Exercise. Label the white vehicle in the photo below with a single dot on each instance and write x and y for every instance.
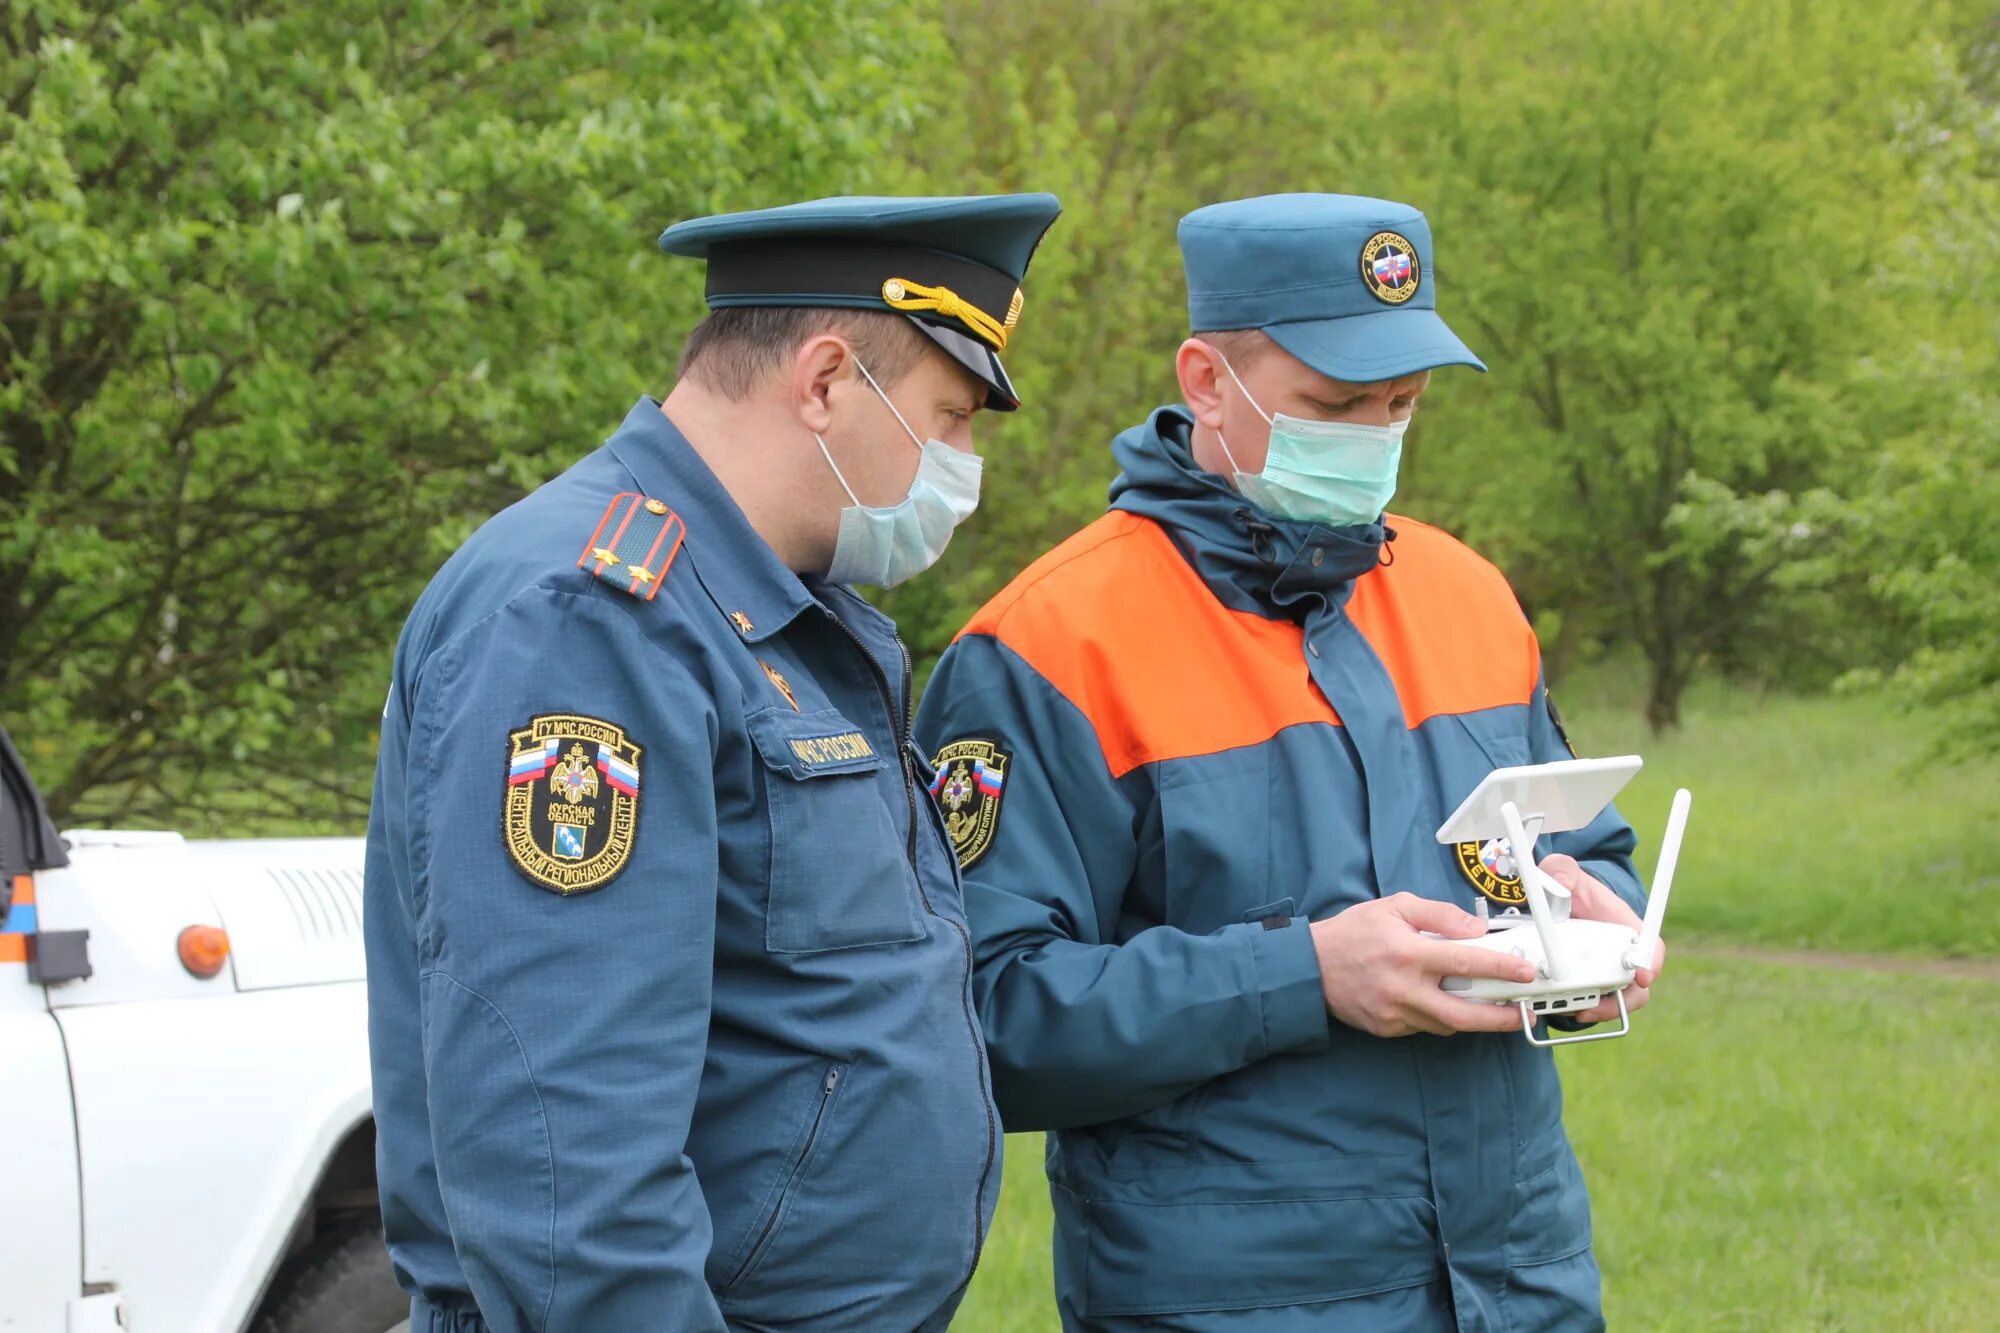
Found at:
(183, 1083)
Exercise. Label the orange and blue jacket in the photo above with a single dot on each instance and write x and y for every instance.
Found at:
(1167, 746)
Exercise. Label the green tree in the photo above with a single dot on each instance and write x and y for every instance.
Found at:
(292, 296)
(1925, 536)
(1134, 112)
(1660, 226)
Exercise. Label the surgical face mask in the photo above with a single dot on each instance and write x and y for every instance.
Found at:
(886, 544)
(1339, 473)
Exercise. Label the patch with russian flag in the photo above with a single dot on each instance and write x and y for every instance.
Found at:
(571, 810)
(969, 780)
(1390, 268)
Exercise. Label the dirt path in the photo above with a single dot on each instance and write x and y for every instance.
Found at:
(1977, 969)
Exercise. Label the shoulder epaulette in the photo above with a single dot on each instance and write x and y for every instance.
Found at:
(634, 545)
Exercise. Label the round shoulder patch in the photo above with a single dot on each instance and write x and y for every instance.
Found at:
(971, 779)
(1389, 268)
(1490, 866)
(572, 802)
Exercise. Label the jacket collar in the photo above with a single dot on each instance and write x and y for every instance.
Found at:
(737, 566)
(1252, 559)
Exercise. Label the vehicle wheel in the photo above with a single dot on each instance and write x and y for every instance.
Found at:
(341, 1283)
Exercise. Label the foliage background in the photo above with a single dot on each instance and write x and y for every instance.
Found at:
(293, 296)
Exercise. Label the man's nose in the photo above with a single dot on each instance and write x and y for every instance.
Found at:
(1374, 412)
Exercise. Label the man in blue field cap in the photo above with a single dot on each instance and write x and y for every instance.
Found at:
(668, 970)
(1192, 761)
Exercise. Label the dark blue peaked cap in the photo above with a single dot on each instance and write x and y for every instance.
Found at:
(953, 265)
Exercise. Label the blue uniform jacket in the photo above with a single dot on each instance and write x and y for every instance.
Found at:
(1167, 746)
(669, 981)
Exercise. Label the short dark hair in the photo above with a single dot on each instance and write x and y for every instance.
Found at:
(1241, 346)
(737, 346)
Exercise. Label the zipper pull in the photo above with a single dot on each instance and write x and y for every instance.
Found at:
(832, 1081)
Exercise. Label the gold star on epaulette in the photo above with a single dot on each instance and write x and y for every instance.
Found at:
(634, 545)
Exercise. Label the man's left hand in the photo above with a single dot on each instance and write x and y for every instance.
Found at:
(1592, 900)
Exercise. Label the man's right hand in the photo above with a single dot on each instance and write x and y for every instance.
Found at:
(1381, 973)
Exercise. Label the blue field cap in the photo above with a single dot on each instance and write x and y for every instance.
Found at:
(952, 264)
(1342, 282)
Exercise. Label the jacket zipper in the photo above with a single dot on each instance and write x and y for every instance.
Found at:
(907, 722)
(828, 1086)
(902, 738)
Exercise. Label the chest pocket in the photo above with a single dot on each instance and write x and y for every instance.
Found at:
(840, 874)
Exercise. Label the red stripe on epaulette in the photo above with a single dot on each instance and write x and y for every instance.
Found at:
(673, 528)
(601, 554)
(594, 544)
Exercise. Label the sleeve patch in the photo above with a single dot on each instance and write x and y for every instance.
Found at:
(971, 778)
(571, 809)
(1555, 720)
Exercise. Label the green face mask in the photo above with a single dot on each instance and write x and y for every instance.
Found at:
(1340, 473)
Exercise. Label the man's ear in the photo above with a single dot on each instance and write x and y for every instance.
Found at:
(820, 365)
(1198, 366)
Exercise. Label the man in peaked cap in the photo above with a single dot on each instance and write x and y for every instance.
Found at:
(1196, 828)
(669, 976)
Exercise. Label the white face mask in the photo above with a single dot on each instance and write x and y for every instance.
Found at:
(1340, 473)
(886, 544)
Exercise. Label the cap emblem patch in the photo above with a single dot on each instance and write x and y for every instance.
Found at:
(1389, 268)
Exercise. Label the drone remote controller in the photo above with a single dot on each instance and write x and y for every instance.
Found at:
(1576, 963)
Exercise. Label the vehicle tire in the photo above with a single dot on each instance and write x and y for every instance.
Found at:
(340, 1283)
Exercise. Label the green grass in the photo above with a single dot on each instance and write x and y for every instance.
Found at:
(1814, 824)
(1774, 1148)
(1797, 1147)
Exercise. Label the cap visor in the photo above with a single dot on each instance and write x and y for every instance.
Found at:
(976, 357)
(1382, 345)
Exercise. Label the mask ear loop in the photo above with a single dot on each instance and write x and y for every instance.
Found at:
(824, 452)
(1245, 392)
(836, 472)
(1223, 439)
(858, 365)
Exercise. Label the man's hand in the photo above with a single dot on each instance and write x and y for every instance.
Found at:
(1592, 900)
(1381, 974)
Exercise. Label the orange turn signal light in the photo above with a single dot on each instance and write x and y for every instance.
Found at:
(204, 950)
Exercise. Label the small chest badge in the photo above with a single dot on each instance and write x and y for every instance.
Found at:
(1389, 268)
(1490, 866)
(784, 686)
(572, 804)
(971, 779)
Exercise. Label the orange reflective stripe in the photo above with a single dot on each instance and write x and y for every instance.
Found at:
(1121, 625)
(1446, 626)
(1124, 628)
(24, 889)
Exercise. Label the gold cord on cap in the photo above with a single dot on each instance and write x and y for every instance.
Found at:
(902, 294)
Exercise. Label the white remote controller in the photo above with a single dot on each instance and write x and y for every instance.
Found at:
(1576, 963)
